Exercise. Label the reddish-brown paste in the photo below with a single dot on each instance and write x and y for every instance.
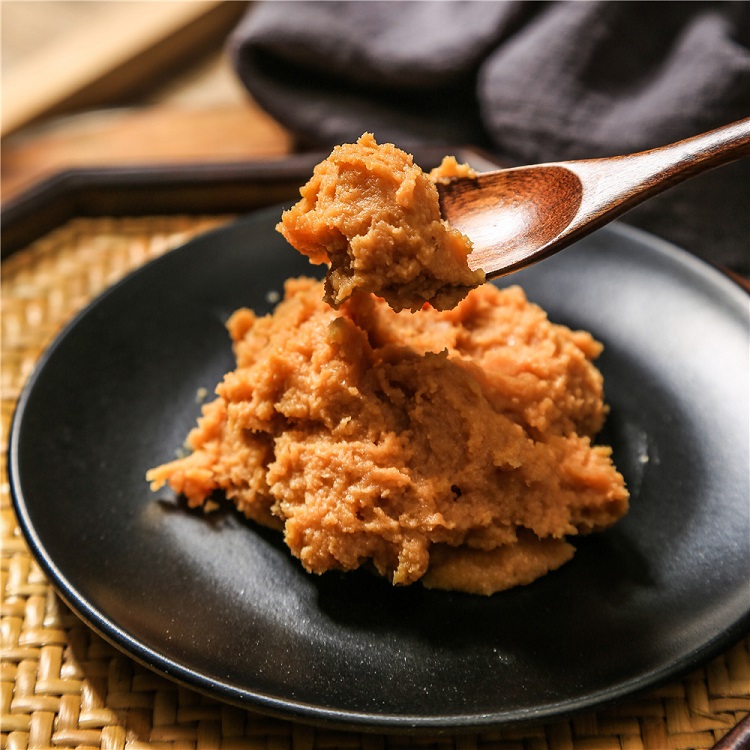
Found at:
(448, 447)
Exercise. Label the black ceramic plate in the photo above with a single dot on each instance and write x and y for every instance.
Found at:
(220, 604)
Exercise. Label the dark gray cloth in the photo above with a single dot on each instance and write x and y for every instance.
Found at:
(530, 81)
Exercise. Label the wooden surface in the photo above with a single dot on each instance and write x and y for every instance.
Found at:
(155, 135)
(165, 93)
(114, 52)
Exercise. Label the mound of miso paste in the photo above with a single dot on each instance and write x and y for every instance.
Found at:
(452, 448)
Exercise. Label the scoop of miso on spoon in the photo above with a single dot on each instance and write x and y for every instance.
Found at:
(516, 217)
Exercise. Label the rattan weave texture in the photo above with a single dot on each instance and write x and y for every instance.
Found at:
(63, 686)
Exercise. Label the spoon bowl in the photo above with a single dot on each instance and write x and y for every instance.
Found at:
(516, 217)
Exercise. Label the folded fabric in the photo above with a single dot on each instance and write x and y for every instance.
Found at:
(530, 81)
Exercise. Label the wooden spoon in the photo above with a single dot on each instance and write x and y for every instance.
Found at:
(515, 217)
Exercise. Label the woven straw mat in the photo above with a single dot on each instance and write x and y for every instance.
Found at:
(63, 686)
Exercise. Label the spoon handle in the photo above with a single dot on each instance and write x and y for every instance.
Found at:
(616, 184)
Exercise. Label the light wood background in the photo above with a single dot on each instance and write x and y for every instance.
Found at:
(111, 82)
